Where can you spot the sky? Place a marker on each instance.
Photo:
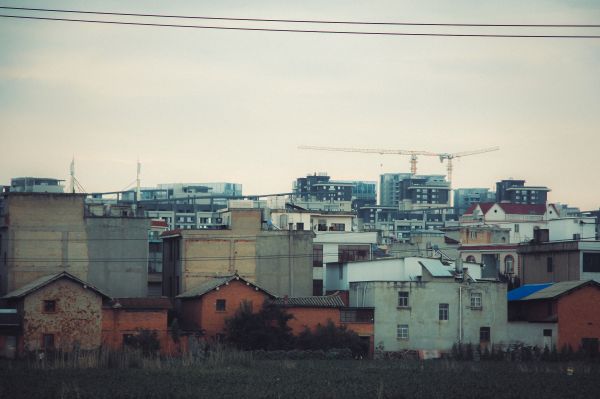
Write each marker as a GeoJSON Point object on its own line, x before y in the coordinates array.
{"type": "Point", "coordinates": [197, 105]}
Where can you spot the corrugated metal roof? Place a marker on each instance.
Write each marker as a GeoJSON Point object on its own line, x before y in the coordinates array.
{"type": "Point", "coordinates": [525, 290]}
{"type": "Point", "coordinates": [436, 268]}
{"type": "Point", "coordinates": [45, 280]}
{"type": "Point", "coordinates": [558, 289]}
{"type": "Point", "coordinates": [329, 301]}
{"type": "Point", "coordinates": [215, 282]}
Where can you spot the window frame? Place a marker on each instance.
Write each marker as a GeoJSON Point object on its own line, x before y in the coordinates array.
{"type": "Point", "coordinates": [402, 332]}
{"type": "Point", "coordinates": [49, 306]}
{"type": "Point", "coordinates": [221, 305]}
{"type": "Point", "coordinates": [52, 345]}
{"type": "Point", "coordinates": [403, 300]}
{"type": "Point", "coordinates": [444, 312]}
{"type": "Point", "coordinates": [476, 297]}
{"type": "Point", "coordinates": [483, 332]}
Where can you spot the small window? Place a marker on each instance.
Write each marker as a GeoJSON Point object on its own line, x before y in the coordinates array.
{"type": "Point", "coordinates": [47, 341]}
{"type": "Point", "coordinates": [547, 333]}
{"type": "Point", "coordinates": [516, 228]}
{"type": "Point", "coordinates": [471, 259]}
{"type": "Point", "coordinates": [476, 300]}
{"type": "Point", "coordinates": [402, 331]}
{"type": "Point", "coordinates": [444, 310]}
{"type": "Point", "coordinates": [484, 334]}
{"type": "Point", "coordinates": [49, 306]}
{"type": "Point", "coordinates": [299, 226]}
{"type": "Point", "coordinates": [509, 264]}
{"type": "Point", "coordinates": [549, 265]}
{"type": "Point", "coordinates": [221, 305]}
{"type": "Point", "coordinates": [402, 299]}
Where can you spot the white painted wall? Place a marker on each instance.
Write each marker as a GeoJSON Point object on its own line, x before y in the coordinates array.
{"type": "Point", "coordinates": [566, 228]}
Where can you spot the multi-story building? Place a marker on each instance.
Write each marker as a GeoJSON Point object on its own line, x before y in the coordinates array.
{"type": "Point", "coordinates": [407, 191]}
{"type": "Point", "coordinates": [36, 185]}
{"type": "Point", "coordinates": [48, 233]}
{"type": "Point", "coordinates": [465, 197]}
{"type": "Point", "coordinates": [278, 260]}
{"type": "Point", "coordinates": [515, 191]}
{"type": "Point", "coordinates": [316, 191]}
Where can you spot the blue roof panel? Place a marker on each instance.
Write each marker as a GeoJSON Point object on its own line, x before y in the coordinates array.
{"type": "Point", "coordinates": [525, 290]}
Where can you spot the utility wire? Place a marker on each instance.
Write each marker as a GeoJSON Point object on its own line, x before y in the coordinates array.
{"type": "Point", "coordinates": [316, 31]}
{"type": "Point", "coordinates": [303, 21]}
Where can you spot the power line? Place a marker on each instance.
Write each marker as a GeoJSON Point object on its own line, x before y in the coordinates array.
{"type": "Point", "coordinates": [303, 21]}
{"type": "Point", "coordinates": [316, 31]}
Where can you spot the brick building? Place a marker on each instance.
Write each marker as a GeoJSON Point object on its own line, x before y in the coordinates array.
{"type": "Point", "coordinates": [568, 310]}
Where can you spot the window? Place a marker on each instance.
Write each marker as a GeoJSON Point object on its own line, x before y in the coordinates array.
{"type": "Point", "coordinates": [221, 305]}
{"type": "Point", "coordinates": [49, 306]}
{"type": "Point", "coordinates": [591, 262]}
{"type": "Point", "coordinates": [471, 259]}
{"type": "Point", "coordinates": [47, 341]}
{"type": "Point", "coordinates": [547, 333]}
{"type": "Point", "coordinates": [402, 331]}
{"type": "Point", "coordinates": [484, 334]}
{"type": "Point", "coordinates": [516, 228]}
{"type": "Point", "coordinates": [317, 255]}
{"type": "Point", "coordinates": [338, 226]}
{"type": "Point", "coordinates": [472, 235]}
{"type": "Point", "coordinates": [299, 226]}
{"type": "Point", "coordinates": [402, 299]}
{"type": "Point", "coordinates": [509, 264]}
{"type": "Point", "coordinates": [444, 308]}
{"type": "Point", "coordinates": [549, 266]}
{"type": "Point", "coordinates": [476, 300]}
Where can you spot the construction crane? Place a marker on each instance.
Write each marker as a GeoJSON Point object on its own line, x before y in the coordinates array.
{"type": "Point", "coordinates": [413, 154]}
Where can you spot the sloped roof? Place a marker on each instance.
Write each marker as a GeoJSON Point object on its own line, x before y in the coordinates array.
{"type": "Point", "coordinates": [558, 289]}
{"type": "Point", "coordinates": [523, 209]}
{"type": "Point", "coordinates": [485, 206]}
{"type": "Point", "coordinates": [215, 283]}
{"type": "Point", "coordinates": [525, 290]}
{"type": "Point", "coordinates": [44, 281]}
{"type": "Point", "coordinates": [329, 301]}
{"type": "Point", "coordinates": [436, 268]}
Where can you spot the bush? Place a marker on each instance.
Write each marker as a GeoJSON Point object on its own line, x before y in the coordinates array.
{"type": "Point", "coordinates": [330, 337]}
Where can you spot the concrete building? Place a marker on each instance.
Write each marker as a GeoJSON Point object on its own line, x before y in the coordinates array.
{"type": "Point", "coordinates": [549, 262]}
{"type": "Point", "coordinates": [278, 260]}
{"type": "Point", "coordinates": [521, 219]}
{"type": "Point", "coordinates": [556, 315]}
{"type": "Point", "coordinates": [515, 192]}
{"type": "Point", "coordinates": [406, 191]}
{"type": "Point", "coordinates": [465, 197]}
{"type": "Point", "coordinates": [155, 257]}
{"type": "Point", "coordinates": [36, 185]}
{"type": "Point", "coordinates": [433, 308]}
{"type": "Point", "coordinates": [315, 191]}
{"type": "Point", "coordinates": [47, 233]}
{"type": "Point", "coordinates": [296, 218]}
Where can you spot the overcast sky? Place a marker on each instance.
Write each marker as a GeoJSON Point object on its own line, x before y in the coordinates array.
{"type": "Point", "coordinates": [206, 105]}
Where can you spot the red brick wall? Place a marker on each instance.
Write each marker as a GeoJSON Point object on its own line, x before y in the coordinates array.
{"type": "Point", "coordinates": [578, 316]}
{"type": "Point", "coordinates": [213, 321]}
{"type": "Point", "coordinates": [116, 322]}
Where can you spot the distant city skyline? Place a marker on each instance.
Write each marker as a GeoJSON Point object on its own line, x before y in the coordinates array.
{"type": "Point", "coordinates": [202, 105]}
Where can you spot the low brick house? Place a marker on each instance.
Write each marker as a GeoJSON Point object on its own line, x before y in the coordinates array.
{"type": "Point", "coordinates": [571, 308]}
{"type": "Point", "coordinates": [123, 318]}
{"type": "Point", "coordinates": [57, 312]}
{"type": "Point", "coordinates": [206, 307]}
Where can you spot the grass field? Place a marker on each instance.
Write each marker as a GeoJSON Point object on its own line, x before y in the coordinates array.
{"type": "Point", "coordinates": [307, 379]}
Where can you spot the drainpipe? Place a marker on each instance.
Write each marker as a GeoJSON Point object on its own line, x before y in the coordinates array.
{"type": "Point", "coordinates": [460, 310]}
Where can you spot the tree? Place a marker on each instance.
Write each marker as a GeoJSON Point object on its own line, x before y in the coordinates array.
{"type": "Point", "coordinates": [266, 329]}
{"type": "Point", "coordinates": [331, 336]}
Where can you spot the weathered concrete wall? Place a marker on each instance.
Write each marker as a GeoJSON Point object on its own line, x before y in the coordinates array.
{"type": "Point", "coordinates": [565, 266]}
{"type": "Point", "coordinates": [532, 334]}
{"type": "Point", "coordinates": [118, 253]}
{"type": "Point", "coordinates": [284, 263]}
{"type": "Point", "coordinates": [43, 234]}
{"type": "Point", "coordinates": [426, 331]}
{"type": "Point", "coordinates": [77, 320]}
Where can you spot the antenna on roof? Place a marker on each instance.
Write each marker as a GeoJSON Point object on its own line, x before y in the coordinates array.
{"type": "Point", "coordinates": [72, 173]}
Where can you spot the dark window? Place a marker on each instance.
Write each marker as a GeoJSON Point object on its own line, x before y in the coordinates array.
{"type": "Point", "coordinates": [48, 341]}
{"type": "Point", "coordinates": [444, 310]}
{"type": "Point", "coordinates": [547, 333]}
{"type": "Point", "coordinates": [129, 340]}
{"type": "Point", "coordinates": [484, 334]}
{"type": "Point", "coordinates": [49, 306]}
{"type": "Point", "coordinates": [338, 227]}
{"type": "Point", "coordinates": [317, 287]}
{"type": "Point", "coordinates": [403, 299]}
{"type": "Point", "coordinates": [317, 256]}
{"type": "Point", "coordinates": [589, 345]}
{"type": "Point", "coordinates": [591, 262]}
{"type": "Point", "coordinates": [549, 266]}
{"type": "Point", "coordinates": [221, 305]}
{"type": "Point", "coordinates": [299, 226]}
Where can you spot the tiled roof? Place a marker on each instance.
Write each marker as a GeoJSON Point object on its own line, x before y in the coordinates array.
{"type": "Point", "coordinates": [329, 301]}
{"type": "Point", "coordinates": [216, 282]}
{"type": "Point", "coordinates": [142, 303]}
{"type": "Point", "coordinates": [159, 223]}
{"type": "Point", "coordinates": [558, 289]}
{"type": "Point", "coordinates": [485, 206]}
{"type": "Point", "coordinates": [525, 290]}
{"type": "Point", "coordinates": [45, 280]}
{"type": "Point", "coordinates": [523, 209]}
